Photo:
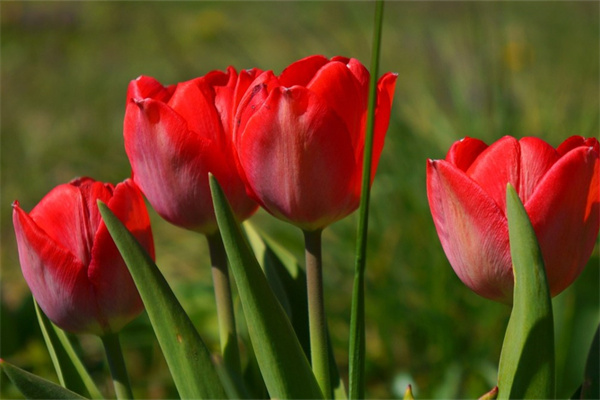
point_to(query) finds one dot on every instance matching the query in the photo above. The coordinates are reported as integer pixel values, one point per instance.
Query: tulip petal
(564, 210)
(472, 229)
(576, 141)
(117, 295)
(170, 165)
(194, 101)
(65, 215)
(464, 152)
(385, 95)
(302, 71)
(338, 87)
(252, 99)
(148, 87)
(497, 166)
(360, 72)
(537, 157)
(298, 160)
(57, 279)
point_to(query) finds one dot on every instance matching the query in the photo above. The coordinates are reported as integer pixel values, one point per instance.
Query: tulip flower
(176, 135)
(300, 138)
(560, 191)
(70, 261)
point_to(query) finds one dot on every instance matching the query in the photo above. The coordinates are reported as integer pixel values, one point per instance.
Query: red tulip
(300, 138)
(176, 135)
(558, 187)
(70, 261)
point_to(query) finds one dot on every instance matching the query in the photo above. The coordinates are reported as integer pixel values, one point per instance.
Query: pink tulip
(176, 135)
(558, 187)
(300, 138)
(70, 261)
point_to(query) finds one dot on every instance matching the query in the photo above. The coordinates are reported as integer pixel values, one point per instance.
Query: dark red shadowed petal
(385, 95)
(472, 229)
(564, 210)
(170, 165)
(117, 295)
(464, 152)
(57, 279)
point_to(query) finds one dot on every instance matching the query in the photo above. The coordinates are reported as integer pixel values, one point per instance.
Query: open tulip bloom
(559, 188)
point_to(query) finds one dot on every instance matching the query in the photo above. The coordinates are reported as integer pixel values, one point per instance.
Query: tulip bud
(300, 138)
(558, 187)
(69, 260)
(176, 135)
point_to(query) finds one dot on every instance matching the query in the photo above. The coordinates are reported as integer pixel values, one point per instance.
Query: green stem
(116, 363)
(316, 312)
(357, 319)
(224, 300)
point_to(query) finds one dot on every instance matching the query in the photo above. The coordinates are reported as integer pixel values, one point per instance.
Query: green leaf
(526, 367)
(590, 389)
(288, 282)
(186, 354)
(69, 368)
(35, 387)
(283, 364)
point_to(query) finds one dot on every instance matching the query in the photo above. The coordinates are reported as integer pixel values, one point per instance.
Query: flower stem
(316, 312)
(357, 319)
(116, 363)
(224, 300)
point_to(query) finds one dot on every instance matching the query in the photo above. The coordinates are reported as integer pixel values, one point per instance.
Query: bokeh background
(480, 69)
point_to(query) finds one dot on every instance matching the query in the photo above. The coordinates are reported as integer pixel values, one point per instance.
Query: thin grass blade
(357, 318)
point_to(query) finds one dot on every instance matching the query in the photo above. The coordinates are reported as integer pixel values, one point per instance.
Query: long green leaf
(69, 368)
(282, 361)
(186, 354)
(35, 387)
(526, 367)
(288, 282)
(590, 389)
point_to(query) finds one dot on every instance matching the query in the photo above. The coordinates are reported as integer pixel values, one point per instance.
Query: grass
(481, 69)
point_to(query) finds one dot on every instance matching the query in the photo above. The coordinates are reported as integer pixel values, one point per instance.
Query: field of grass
(479, 69)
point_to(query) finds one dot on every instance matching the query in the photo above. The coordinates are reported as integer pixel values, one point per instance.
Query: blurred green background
(480, 69)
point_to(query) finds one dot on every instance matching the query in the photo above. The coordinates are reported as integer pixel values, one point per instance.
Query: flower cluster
(292, 143)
